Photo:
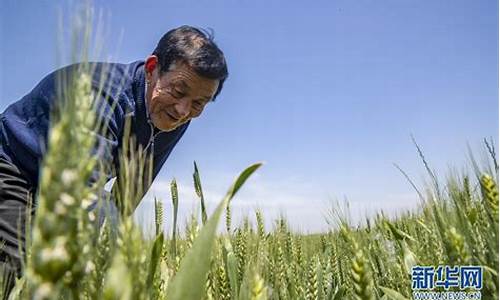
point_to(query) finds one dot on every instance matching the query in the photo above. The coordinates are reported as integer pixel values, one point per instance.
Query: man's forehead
(180, 73)
(181, 82)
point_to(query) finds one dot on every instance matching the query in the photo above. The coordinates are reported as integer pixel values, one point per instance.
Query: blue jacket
(24, 124)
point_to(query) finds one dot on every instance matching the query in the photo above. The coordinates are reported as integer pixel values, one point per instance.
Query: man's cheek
(156, 107)
(195, 114)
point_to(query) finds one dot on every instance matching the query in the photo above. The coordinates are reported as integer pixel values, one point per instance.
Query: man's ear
(151, 63)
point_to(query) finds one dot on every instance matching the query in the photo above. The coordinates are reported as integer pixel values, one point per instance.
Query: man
(160, 95)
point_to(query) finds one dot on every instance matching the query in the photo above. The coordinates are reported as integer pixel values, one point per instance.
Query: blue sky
(326, 93)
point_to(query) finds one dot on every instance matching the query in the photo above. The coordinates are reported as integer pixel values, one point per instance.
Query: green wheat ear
(231, 265)
(158, 216)
(175, 204)
(361, 275)
(258, 288)
(155, 260)
(490, 195)
(199, 193)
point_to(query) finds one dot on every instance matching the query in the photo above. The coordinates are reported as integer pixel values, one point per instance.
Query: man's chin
(170, 127)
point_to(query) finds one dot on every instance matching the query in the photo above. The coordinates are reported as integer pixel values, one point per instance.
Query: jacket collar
(141, 111)
(139, 88)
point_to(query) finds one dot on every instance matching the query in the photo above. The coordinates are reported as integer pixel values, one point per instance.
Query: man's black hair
(196, 48)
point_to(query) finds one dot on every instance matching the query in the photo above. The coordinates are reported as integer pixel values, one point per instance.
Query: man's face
(177, 96)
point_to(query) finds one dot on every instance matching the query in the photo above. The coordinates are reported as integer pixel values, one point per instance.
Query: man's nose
(183, 108)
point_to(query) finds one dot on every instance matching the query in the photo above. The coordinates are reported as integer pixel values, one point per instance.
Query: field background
(327, 94)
